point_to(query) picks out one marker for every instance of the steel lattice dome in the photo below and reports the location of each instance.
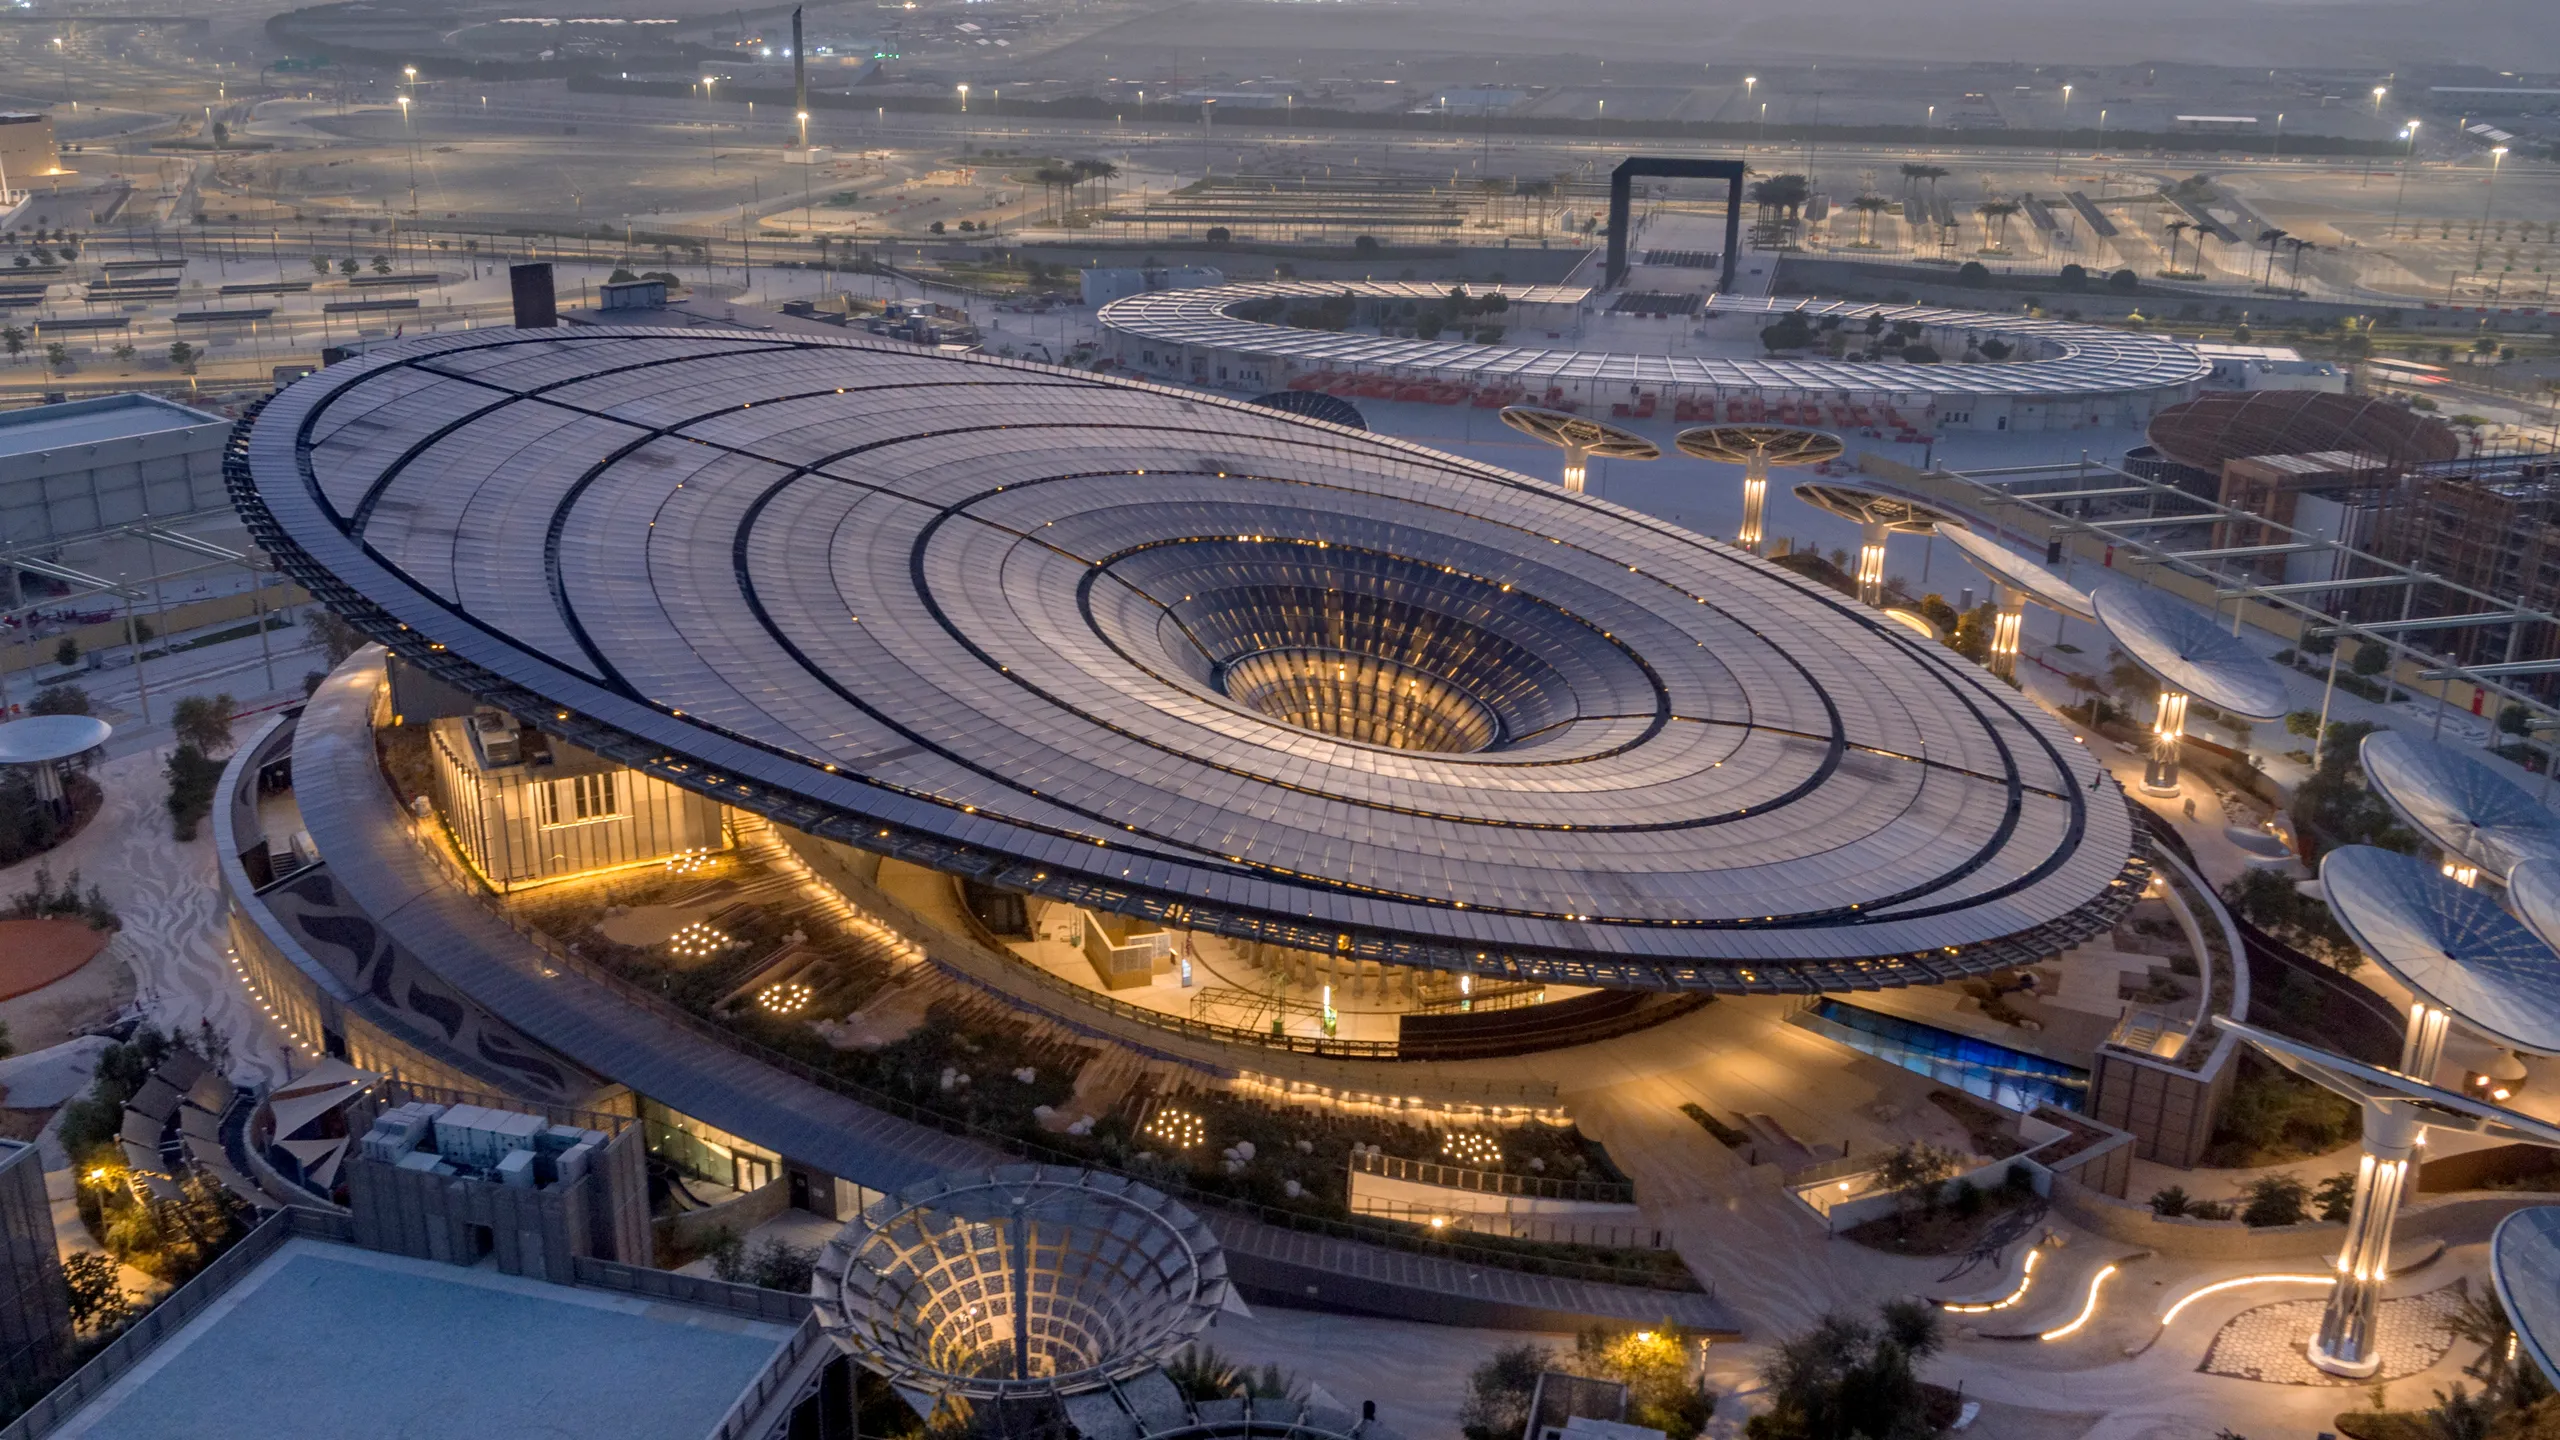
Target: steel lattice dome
(1176, 656)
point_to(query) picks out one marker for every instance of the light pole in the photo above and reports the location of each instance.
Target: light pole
(2378, 92)
(2405, 162)
(411, 139)
(964, 98)
(2279, 135)
(2489, 203)
(2066, 107)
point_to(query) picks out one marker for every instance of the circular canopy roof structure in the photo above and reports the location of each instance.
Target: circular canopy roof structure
(2533, 888)
(1315, 405)
(2462, 806)
(1769, 444)
(2189, 652)
(1027, 1280)
(2453, 945)
(2007, 567)
(2070, 359)
(1172, 656)
(1580, 432)
(2210, 429)
(37, 739)
(1872, 507)
(2524, 1265)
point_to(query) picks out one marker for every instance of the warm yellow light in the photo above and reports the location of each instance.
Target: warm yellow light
(2219, 1286)
(2088, 1311)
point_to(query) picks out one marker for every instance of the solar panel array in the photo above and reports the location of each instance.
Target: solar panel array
(980, 614)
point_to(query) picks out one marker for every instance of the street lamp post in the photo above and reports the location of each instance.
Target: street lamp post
(964, 98)
(2378, 92)
(2405, 162)
(410, 137)
(2488, 204)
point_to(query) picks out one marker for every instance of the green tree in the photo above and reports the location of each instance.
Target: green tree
(381, 264)
(60, 700)
(192, 777)
(66, 651)
(1654, 1366)
(204, 721)
(336, 638)
(2303, 724)
(13, 339)
(349, 266)
(1973, 274)
(2334, 1199)
(1498, 1391)
(98, 1302)
(184, 356)
(320, 263)
(1912, 1172)
(57, 357)
(2372, 657)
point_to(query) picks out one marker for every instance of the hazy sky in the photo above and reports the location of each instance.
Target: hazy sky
(2374, 34)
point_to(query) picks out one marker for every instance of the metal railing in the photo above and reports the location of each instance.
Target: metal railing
(779, 1373)
(1495, 1182)
(154, 1325)
(1383, 1235)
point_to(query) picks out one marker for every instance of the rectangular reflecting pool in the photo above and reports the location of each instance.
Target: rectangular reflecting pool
(2010, 1078)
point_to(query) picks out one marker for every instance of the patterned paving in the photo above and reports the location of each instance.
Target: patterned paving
(172, 912)
(2267, 1343)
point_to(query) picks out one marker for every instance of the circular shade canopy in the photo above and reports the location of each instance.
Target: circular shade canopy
(1315, 405)
(2462, 806)
(1770, 444)
(2007, 567)
(1028, 1280)
(2533, 888)
(1580, 432)
(39, 738)
(2189, 652)
(1872, 507)
(1168, 655)
(2524, 1265)
(2453, 945)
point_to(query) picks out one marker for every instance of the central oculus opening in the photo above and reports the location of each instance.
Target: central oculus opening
(1368, 698)
(1364, 644)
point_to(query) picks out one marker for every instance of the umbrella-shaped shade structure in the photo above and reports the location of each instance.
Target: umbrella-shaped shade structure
(2533, 888)
(2398, 1111)
(43, 743)
(1580, 437)
(2464, 955)
(2480, 819)
(1877, 515)
(2524, 1265)
(1755, 448)
(2191, 656)
(2019, 580)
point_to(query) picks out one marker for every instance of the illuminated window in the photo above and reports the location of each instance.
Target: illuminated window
(580, 799)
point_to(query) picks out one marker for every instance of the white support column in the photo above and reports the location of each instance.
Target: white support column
(2005, 626)
(1871, 564)
(2348, 1343)
(1755, 499)
(1577, 465)
(2422, 1044)
(2168, 739)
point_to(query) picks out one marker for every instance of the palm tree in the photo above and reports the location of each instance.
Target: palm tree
(1868, 207)
(2175, 228)
(2270, 238)
(2297, 245)
(1537, 192)
(1995, 217)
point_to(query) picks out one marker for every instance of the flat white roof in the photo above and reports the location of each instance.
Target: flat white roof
(322, 1341)
(87, 422)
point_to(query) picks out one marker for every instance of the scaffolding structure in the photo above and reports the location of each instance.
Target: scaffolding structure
(2172, 537)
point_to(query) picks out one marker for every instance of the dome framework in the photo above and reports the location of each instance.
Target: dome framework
(1062, 635)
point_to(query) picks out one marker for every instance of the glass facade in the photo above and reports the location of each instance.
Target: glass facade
(2009, 1078)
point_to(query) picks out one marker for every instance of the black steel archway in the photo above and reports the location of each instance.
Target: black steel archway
(1620, 187)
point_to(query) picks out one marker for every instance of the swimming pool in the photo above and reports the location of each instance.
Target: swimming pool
(2010, 1078)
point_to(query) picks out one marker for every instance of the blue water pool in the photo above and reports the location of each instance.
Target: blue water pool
(2005, 1077)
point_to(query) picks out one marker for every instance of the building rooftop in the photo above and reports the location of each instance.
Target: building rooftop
(321, 1333)
(1150, 652)
(87, 422)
